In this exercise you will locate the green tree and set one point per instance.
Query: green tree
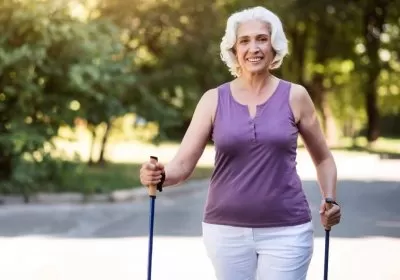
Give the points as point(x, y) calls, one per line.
point(49, 62)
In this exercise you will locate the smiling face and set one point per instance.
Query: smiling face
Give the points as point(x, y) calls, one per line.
point(253, 47)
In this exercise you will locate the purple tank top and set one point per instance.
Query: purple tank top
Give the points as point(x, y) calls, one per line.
point(255, 182)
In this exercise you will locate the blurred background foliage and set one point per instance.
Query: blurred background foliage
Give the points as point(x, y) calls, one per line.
point(114, 71)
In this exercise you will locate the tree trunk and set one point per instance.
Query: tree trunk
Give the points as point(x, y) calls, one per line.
point(5, 158)
point(318, 90)
point(92, 145)
point(299, 40)
point(373, 130)
point(5, 166)
point(104, 143)
point(320, 97)
point(374, 19)
point(5, 154)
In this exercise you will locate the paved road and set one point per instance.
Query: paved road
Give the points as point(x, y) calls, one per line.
point(110, 241)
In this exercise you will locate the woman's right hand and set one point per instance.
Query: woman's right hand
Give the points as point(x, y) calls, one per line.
point(150, 173)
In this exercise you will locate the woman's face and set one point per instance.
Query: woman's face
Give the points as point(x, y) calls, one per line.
point(253, 47)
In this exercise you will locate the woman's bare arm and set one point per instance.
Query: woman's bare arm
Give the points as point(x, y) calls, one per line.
point(314, 140)
point(194, 141)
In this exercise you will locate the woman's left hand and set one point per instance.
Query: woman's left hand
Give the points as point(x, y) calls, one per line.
point(330, 214)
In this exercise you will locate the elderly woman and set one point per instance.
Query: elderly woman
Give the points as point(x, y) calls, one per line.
point(257, 221)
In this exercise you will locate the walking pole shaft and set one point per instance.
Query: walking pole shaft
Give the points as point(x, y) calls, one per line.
point(152, 194)
point(326, 261)
point(329, 203)
point(151, 230)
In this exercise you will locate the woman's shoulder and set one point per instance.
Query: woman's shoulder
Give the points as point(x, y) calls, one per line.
point(295, 87)
point(298, 99)
point(208, 101)
point(211, 95)
point(297, 91)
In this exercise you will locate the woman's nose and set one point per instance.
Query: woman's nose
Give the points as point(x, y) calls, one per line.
point(253, 47)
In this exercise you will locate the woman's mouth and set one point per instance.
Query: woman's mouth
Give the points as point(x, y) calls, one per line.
point(254, 59)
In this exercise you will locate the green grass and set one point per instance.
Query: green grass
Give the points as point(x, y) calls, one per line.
point(384, 147)
point(115, 176)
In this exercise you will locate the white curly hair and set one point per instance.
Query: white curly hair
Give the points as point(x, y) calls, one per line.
point(278, 37)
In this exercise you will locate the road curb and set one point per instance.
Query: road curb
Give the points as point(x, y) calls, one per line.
point(77, 198)
point(118, 196)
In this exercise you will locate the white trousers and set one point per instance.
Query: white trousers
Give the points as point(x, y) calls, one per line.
point(278, 253)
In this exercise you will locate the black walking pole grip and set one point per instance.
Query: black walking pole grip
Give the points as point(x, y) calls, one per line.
point(159, 185)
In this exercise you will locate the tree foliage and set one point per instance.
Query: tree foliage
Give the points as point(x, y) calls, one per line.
point(54, 68)
point(156, 58)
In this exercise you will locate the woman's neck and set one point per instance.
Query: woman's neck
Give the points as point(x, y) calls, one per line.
point(255, 83)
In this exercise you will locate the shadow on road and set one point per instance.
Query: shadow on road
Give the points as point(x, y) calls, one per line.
point(370, 208)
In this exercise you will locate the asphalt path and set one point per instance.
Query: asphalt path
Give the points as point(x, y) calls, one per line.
point(110, 241)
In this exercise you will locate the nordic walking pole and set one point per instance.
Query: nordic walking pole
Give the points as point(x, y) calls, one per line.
point(152, 194)
point(327, 236)
point(326, 262)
